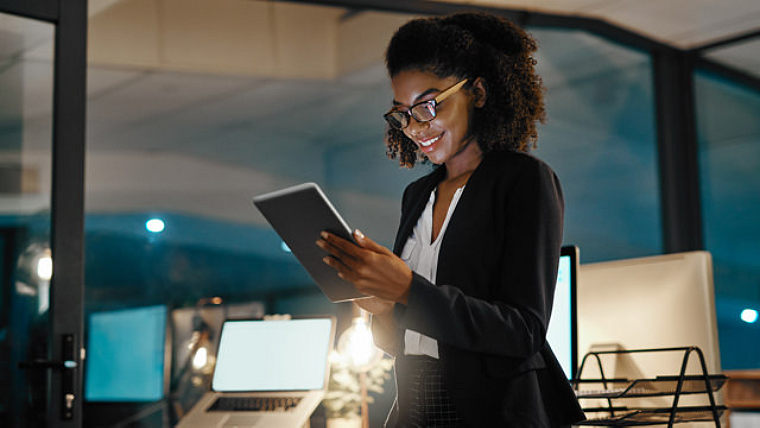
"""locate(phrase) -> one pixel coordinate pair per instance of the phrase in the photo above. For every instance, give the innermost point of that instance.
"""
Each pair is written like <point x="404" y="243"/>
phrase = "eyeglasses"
<point x="424" y="111"/>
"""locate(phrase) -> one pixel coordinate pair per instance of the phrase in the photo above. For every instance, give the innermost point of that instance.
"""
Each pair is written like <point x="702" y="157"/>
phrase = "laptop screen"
<point x="282" y="355"/>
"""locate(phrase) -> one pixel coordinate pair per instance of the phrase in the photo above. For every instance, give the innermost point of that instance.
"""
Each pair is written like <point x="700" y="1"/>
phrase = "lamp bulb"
<point x="200" y="359"/>
<point x="358" y="347"/>
<point x="45" y="266"/>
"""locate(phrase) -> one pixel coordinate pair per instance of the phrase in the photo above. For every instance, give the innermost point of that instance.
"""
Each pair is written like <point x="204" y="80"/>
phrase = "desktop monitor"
<point x="650" y="302"/>
<point x="561" y="333"/>
<point x="127" y="355"/>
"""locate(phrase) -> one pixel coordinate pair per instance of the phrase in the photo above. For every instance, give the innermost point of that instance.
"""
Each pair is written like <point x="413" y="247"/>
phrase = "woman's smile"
<point x="427" y="145"/>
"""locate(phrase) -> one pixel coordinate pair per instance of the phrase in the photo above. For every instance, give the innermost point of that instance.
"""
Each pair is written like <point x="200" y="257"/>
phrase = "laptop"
<point x="267" y="374"/>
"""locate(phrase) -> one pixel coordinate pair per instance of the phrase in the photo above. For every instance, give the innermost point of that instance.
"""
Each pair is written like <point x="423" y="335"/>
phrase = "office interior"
<point x="128" y="165"/>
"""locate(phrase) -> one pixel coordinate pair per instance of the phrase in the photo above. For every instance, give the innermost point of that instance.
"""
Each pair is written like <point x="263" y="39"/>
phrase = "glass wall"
<point x="26" y="124"/>
<point x="600" y="138"/>
<point x="729" y="158"/>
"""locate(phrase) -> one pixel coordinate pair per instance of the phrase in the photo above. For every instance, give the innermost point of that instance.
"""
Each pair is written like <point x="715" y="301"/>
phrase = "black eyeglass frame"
<point x="431" y="106"/>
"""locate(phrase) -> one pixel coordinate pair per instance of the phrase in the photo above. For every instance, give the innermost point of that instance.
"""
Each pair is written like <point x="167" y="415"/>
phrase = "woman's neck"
<point x="462" y="164"/>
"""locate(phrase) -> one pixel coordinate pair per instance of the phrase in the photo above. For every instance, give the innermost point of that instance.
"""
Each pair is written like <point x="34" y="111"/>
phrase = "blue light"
<point x="155" y="225"/>
<point x="285" y="247"/>
<point x="749" y="316"/>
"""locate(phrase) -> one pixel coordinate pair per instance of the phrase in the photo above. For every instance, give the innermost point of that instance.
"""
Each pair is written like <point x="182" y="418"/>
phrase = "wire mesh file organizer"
<point x="609" y="389"/>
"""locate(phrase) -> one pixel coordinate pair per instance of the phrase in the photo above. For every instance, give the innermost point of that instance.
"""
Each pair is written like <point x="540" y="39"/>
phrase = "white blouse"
<point x="421" y="256"/>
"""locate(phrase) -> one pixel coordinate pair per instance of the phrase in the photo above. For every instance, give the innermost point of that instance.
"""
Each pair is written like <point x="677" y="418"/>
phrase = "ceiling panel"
<point x="681" y="23"/>
<point x="549" y="6"/>
<point x="122" y="101"/>
<point x="716" y="30"/>
<point x="744" y="56"/>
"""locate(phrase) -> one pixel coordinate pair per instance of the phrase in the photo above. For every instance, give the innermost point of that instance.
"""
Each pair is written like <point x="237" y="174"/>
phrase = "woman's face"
<point x="444" y="137"/>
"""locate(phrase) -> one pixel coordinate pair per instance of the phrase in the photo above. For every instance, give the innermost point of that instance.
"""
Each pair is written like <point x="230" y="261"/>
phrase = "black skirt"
<point x="430" y="404"/>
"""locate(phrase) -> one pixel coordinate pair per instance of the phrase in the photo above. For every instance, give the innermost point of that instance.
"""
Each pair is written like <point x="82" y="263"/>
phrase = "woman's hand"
<point x="373" y="269"/>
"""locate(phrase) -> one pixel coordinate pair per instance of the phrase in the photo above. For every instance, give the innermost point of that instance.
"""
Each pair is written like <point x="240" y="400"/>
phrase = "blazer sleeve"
<point x="512" y="322"/>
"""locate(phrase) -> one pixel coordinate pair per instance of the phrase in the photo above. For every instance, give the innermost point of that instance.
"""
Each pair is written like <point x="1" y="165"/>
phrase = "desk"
<point x="742" y="397"/>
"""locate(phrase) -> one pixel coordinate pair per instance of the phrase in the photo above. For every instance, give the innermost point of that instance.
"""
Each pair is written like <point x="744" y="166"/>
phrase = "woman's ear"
<point x="479" y="92"/>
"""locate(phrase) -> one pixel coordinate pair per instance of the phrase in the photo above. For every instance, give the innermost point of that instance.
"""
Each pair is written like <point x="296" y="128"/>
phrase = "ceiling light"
<point x="749" y="316"/>
<point x="155" y="225"/>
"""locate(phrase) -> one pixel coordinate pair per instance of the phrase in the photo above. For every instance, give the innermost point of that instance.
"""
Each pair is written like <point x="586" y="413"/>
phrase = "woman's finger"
<point x="365" y="242"/>
<point x="345" y="245"/>
<point x="344" y="271"/>
<point x="335" y="250"/>
<point x="349" y="265"/>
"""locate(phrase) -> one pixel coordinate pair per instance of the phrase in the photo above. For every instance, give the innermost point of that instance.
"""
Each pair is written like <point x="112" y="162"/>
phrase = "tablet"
<point x="298" y="214"/>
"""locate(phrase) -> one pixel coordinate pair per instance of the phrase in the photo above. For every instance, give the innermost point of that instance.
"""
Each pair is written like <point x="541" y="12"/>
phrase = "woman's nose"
<point x="415" y="127"/>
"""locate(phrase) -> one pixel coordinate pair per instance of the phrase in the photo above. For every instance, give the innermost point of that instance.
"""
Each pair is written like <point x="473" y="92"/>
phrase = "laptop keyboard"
<point x="254" y="404"/>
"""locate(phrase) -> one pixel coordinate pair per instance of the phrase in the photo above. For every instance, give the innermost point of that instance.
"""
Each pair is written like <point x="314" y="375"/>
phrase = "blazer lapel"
<point x="451" y="245"/>
<point x="417" y="203"/>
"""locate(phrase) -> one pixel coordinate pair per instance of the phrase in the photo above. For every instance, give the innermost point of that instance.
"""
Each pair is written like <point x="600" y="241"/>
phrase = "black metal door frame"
<point x="67" y="204"/>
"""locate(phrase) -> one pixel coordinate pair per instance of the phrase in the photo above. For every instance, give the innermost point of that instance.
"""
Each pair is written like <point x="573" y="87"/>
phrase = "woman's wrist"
<point x="404" y="298"/>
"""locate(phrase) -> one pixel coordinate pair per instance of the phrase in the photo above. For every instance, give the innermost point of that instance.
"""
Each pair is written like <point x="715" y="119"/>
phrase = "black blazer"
<point x="489" y="310"/>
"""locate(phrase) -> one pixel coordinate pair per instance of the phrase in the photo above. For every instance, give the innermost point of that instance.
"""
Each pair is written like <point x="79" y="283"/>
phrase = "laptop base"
<point x="296" y="417"/>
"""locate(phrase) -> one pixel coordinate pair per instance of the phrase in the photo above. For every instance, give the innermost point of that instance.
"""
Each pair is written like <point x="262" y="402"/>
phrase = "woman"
<point x="464" y="299"/>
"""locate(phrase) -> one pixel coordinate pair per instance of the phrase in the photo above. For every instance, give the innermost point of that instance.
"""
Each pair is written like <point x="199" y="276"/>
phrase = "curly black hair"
<point x="471" y="45"/>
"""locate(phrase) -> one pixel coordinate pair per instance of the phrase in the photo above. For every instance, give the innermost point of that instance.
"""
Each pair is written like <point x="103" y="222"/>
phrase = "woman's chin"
<point x="433" y="158"/>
